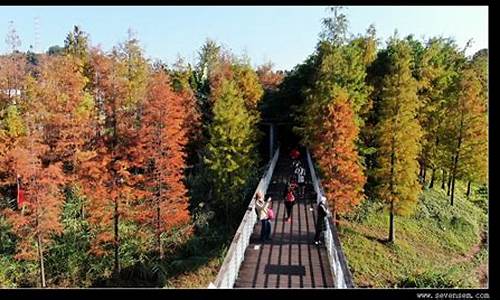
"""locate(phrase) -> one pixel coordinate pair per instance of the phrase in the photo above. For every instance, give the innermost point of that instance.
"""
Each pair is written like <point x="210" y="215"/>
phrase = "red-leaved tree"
<point x="161" y="153"/>
<point x="337" y="157"/>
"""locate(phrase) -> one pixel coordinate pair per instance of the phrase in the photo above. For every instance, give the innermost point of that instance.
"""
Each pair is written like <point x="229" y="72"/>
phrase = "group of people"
<point x="296" y="184"/>
<point x="295" y="188"/>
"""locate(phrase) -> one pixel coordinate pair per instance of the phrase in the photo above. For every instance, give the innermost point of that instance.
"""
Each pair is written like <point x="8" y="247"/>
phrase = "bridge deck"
<point x="290" y="260"/>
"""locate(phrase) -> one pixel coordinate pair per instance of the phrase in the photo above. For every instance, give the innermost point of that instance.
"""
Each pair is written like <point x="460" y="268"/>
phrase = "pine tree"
<point x="38" y="220"/>
<point x="134" y="68"/>
<point x="330" y="118"/>
<point x="230" y="149"/>
<point x="104" y="166"/>
<point x="249" y="86"/>
<point x="76" y="45"/>
<point x="399" y="135"/>
<point x="435" y="72"/>
<point x="161" y="151"/>
<point x="69" y="109"/>
<point x="468" y="129"/>
<point x="336" y="155"/>
<point x="182" y="75"/>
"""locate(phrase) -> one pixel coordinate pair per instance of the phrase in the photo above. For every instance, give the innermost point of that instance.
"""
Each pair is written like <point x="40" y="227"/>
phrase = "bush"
<point x="365" y="209"/>
<point x="460" y="224"/>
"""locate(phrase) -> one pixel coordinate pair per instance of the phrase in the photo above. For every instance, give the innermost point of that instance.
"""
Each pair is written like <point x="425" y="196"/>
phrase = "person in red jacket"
<point x="294" y="154"/>
<point x="289" y="201"/>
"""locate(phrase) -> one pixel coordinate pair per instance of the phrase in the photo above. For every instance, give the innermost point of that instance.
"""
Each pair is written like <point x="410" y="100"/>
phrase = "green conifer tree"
<point x="231" y="149"/>
<point x="399" y="135"/>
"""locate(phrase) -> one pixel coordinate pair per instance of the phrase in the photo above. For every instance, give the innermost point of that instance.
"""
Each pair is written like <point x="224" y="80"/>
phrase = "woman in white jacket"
<point x="262" y="208"/>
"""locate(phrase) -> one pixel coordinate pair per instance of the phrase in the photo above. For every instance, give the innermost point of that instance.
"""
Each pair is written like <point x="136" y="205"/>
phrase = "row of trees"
<point x="110" y="152"/>
<point x="379" y="120"/>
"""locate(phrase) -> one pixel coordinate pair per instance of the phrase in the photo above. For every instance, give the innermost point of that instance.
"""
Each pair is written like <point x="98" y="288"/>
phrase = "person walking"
<point x="289" y="202"/>
<point x="322" y="212"/>
<point x="300" y="174"/>
<point x="294" y="154"/>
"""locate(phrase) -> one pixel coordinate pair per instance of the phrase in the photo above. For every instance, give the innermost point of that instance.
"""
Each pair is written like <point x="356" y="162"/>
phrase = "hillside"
<point x="438" y="246"/>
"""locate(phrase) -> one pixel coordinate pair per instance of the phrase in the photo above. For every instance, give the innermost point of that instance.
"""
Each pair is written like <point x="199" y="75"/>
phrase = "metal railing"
<point x="236" y="254"/>
<point x="338" y="261"/>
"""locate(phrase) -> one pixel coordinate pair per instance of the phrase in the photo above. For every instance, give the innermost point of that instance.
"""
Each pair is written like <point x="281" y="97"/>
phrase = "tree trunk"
<point x="433" y="177"/>
<point x="452" y="190"/>
<point x="421" y="172"/>
<point x="391" y="223"/>
<point x="468" y="189"/>
<point x="40" y="256"/>
<point x="449" y="185"/>
<point x="443" y="183"/>
<point x="158" y="233"/>
<point x="39" y="244"/>
<point x="335" y="218"/>
<point x="424" y="175"/>
<point x="391" y="215"/>
<point x="455" y="161"/>
<point x="117" y="240"/>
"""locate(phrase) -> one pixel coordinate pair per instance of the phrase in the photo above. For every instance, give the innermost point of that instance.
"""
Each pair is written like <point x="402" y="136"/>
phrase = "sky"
<point x="285" y="35"/>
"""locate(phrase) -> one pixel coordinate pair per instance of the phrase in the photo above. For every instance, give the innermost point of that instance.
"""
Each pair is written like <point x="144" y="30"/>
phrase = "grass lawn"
<point x="439" y="245"/>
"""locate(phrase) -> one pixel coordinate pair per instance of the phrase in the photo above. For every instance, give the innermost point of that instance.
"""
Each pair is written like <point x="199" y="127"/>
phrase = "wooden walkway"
<point x="290" y="260"/>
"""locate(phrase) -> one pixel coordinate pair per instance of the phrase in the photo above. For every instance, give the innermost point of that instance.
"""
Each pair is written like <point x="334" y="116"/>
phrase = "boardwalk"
<point x="290" y="260"/>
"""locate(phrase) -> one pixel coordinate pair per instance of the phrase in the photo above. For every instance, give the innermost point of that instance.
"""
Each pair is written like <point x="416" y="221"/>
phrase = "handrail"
<point x="234" y="257"/>
<point x="338" y="261"/>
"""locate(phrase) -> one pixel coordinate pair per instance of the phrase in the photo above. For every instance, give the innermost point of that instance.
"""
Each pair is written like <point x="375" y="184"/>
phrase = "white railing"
<point x="236" y="254"/>
<point x="338" y="262"/>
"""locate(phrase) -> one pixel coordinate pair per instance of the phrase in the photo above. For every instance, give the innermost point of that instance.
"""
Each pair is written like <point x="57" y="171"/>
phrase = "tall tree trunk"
<point x="39" y="243"/>
<point x="421" y="172"/>
<point x="433" y="177"/>
<point x="158" y="232"/>
<point x="117" y="240"/>
<point x="443" y="178"/>
<point x="391" y="224"/>
<point x="424" y="175"/>
<point x="40" y="257"/>
<point x="158" y="218"/>
<point x="457" y="155"/>
<point x="468" y="189"/>
<point x="452" y="190"/>
<point x="449" y="185"/>
<point x="116" y="215"/>
<point x="391" y="215"/>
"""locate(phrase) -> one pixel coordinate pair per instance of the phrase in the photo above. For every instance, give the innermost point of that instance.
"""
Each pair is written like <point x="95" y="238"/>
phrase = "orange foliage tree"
<point x="161" y="153"/>
<point x="69" y="109"/>
<point x="104" y="165"/>
<point x="337" y="157"/>
<point x="38" y="219"/>
<point x="269" y="79"/>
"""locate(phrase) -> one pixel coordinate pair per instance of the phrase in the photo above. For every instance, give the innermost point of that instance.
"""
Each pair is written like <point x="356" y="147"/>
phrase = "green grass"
<point x="437" y="246"/>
